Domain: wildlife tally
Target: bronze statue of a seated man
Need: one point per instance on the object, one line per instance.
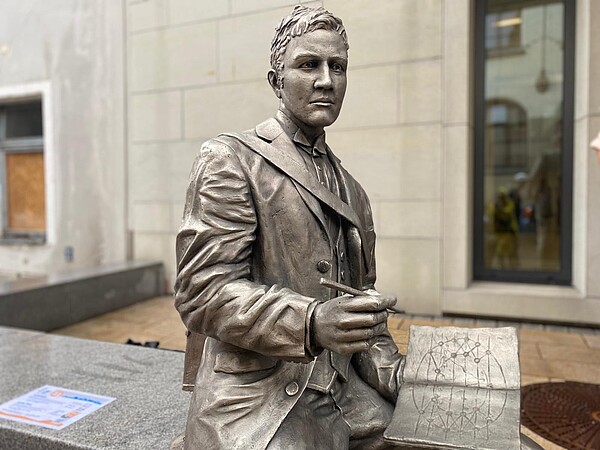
(287, 362)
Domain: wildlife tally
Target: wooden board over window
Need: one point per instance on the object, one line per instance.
(26, 208)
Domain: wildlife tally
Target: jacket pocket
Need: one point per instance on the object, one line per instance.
(242, 361)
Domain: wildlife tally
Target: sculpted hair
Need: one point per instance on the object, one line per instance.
(302, 20)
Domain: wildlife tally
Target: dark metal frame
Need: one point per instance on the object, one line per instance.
(564, 276)
(16, 145)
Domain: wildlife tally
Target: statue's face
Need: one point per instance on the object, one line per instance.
(314, 79)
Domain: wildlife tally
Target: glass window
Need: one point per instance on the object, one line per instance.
(24, 120)
(523, 142)
(23, 193)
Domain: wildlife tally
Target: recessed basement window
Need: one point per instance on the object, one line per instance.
(22, 178)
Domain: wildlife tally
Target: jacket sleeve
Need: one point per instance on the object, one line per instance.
(214, 290)
(381, 367)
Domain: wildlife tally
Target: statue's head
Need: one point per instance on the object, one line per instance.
(309, 57)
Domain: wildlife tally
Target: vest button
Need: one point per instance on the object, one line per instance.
(323, 266)
(292, 389)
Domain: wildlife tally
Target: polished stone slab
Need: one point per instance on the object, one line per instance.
(57, 300)
(149, 410)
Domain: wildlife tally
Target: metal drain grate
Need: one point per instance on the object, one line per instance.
(567, 414)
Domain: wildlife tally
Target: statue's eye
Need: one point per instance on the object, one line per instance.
(308, 65)
(337, 67)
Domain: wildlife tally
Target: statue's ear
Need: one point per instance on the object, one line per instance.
(272, 77)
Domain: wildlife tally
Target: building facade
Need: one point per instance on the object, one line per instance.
(457, 112)
(62, 136)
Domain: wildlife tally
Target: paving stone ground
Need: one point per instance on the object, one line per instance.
(547, 352)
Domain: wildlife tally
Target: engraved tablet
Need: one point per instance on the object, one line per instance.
(461, 390)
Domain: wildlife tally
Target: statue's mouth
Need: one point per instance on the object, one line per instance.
(322, 102)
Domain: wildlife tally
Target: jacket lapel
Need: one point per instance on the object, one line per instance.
(354, 235)
(276, 147)
(283, 155)
(272, 132)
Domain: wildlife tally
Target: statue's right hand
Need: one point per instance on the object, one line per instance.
(347, 324)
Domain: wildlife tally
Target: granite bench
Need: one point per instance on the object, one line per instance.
(149, 411)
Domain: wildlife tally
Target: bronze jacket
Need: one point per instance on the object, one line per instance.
(251, 250)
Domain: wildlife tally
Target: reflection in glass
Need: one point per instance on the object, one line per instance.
(24, 120)
(523, 135)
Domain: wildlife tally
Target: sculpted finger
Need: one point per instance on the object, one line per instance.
(390, 300)
(387, 301)
(358, 320)
(363, 334)
(361, 303)
(380, 329)
(368, 303)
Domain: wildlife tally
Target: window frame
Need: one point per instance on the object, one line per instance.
(33, 144)
(481, 273)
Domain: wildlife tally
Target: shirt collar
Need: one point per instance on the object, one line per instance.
(299, 138)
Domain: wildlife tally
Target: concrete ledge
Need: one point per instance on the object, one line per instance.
(149, 411)
(559, 304)
(58, 300)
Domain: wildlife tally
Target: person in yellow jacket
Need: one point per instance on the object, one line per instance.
(506, 229)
